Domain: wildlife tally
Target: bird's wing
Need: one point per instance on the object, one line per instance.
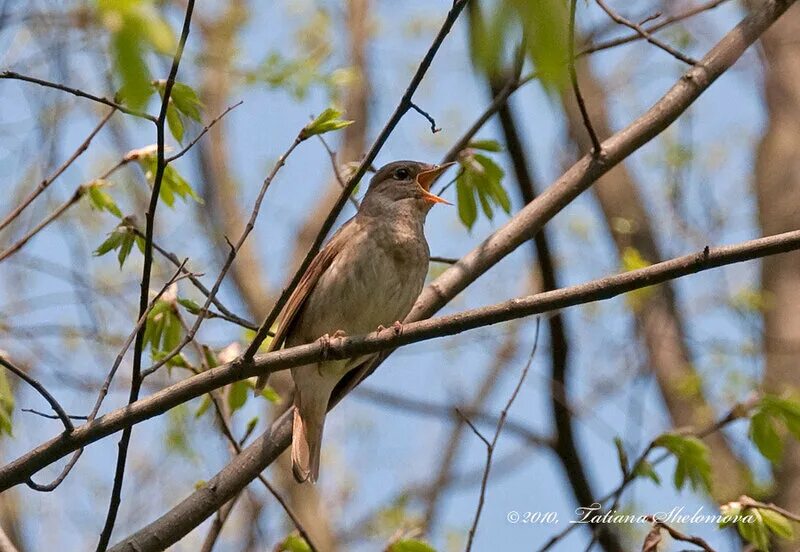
(318, 266)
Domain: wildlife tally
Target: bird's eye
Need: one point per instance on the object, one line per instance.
(402, 174)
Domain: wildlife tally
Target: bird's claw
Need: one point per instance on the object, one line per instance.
(397, 327)
(325, 342)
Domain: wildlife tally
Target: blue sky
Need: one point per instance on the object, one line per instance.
(374, 451)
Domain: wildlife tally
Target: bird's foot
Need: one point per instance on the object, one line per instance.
(325, 342)
(397, 327)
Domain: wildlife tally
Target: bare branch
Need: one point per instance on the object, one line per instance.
(645, 34)
(76, 92)
(597, 148)
(202, 133)
(43, 185)
(653, 28)
(490, 446)
(41, 389)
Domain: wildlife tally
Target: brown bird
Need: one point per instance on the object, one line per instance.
(367, 276)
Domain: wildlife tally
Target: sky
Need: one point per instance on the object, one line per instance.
(371, 450)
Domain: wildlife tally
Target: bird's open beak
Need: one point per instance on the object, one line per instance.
(426, 178)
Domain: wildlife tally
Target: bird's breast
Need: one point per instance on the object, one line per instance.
(373, 281)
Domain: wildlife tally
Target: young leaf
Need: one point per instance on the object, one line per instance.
(777, 523)
(190, 306)
(486, 145)
(645, 469)
(102, 200)
(692, 457)
(271, 395)
(327, 121)
(121, 239)
(186, 101)
(174, 122)
(237, 395)
(172, 183)
(293, 543)
(410, 545)
(465, 198)
(763, 434)
(6, 405)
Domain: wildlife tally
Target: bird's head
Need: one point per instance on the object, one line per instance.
(403, 185)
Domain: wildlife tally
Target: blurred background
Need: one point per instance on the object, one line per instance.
(397, 461)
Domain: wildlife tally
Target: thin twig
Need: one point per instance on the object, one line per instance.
(77, 92)
(645, 34)
(41, 389)
(43, 185)
(491, 446)
(653, 28)
(679, 536)
(597, 148)
(418, 109)
(748, 502)
(150, 215)
(60, 210)
(202, 133)
(337, 173)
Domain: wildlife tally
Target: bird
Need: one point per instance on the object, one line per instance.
(365, 278)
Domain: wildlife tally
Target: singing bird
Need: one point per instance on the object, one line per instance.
(367, 276)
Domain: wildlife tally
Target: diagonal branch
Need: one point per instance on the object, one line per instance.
(266, 448)
(76, 92)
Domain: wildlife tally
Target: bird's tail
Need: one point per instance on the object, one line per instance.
(309, 420)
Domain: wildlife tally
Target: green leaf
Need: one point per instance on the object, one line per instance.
(190, 306)
(465, 198)
(755, 532)
(763, 434)
(622, 455)
(645, 469)
(486, 145)
(237, 395)
(293, 543)
(204, 405)
(777, 523)
(102, 200)
(186, 101)
(545, 24)
(174, 122)
(172, 183)
(271, 395)
(327, 121)
(410, 545)
(6, 405)
(128, 57)
(121, 239)
(692, 457)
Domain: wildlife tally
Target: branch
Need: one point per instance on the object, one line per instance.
(77, 92)
(645, 34)
(265, 449)
(653, 28)
(58, 172)
(150, 216)
(41, 389)
(202, 133)
(597, 148)
(491, 446)
(675, 534)
(60, 210)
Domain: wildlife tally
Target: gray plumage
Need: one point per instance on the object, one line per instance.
(368, 275)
